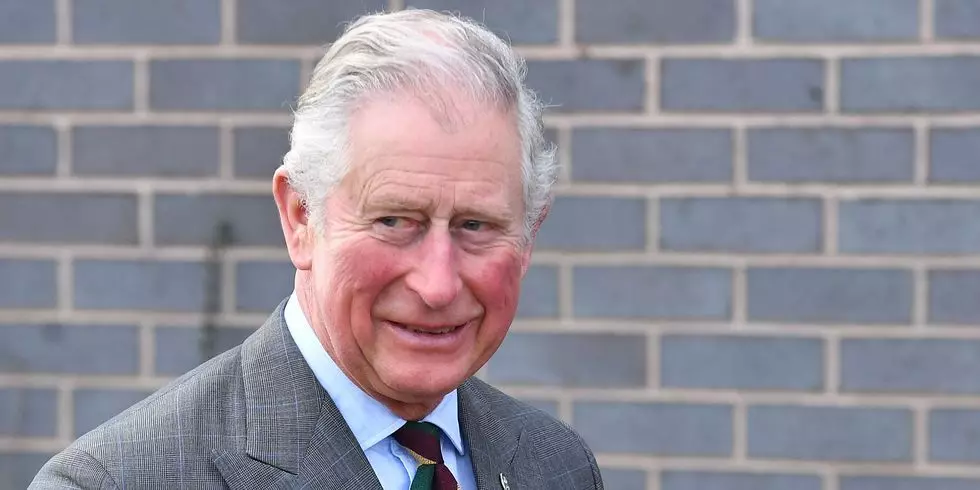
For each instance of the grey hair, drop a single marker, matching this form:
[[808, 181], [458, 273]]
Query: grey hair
[[421, 51]]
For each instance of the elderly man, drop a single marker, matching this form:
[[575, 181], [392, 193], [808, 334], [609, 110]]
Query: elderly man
[[409, 201]]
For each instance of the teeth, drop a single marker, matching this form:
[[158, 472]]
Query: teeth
[[434, 332]]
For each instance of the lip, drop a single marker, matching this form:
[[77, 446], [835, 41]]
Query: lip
[[428, 341]]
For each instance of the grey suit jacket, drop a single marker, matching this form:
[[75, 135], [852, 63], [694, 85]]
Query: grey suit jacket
[[255, 417]]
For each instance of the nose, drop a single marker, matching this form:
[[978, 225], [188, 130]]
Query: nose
[[435, 276]]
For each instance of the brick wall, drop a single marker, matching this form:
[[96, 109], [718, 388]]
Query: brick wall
[[763, 269]]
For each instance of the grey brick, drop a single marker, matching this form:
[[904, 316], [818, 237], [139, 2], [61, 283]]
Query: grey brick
[[562, 230], [517, 21], [298, 21], [957, 19], [42, 85], [631, 155], [197, 219], [180, 349], [92, 407], [146, 21], [69, 217], [28, 150], [910, 84], [71, 349], [26, 283], [836, 155], [28, 412], [741, 224], [27, 22], [17, 470], [539, 293], [145, 285], [621, 479], [953, 297], [727, 480], [953, 155], [830, 433], [555, 359], [933, 226], [816, 295], [261, 286], [259, 151], [690, 293], [658, 429], [746, 85], [245, 85], [954, 435], [589, 85], [944, 366], [875, 482], [741, 362], [548, 406], [655, 21], [158, 151], [836, 20]]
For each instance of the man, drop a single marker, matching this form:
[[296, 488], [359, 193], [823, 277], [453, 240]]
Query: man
[[416, 181]]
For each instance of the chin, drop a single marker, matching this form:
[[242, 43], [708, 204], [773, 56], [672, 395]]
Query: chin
[[424, 382]]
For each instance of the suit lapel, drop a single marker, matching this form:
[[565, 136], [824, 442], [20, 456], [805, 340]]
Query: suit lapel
[[293, 431], [493, 433]]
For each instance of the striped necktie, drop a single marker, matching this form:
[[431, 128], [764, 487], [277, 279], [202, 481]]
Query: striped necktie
[[421, 439]]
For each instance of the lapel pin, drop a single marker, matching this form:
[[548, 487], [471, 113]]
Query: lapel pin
[[503, 482]]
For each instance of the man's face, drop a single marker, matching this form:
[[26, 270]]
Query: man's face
[[415, 280]]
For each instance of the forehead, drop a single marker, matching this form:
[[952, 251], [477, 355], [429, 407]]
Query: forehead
[[398, 142]]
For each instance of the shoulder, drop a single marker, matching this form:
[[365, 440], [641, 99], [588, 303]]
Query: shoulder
[[193, 415], [550, 440]]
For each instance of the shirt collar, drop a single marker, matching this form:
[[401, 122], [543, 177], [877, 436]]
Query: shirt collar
[[369, 420]]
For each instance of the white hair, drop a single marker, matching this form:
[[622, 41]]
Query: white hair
[[427, 53]]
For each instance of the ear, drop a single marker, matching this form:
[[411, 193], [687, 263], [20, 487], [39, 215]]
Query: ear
[[529, 246], [296, 230]]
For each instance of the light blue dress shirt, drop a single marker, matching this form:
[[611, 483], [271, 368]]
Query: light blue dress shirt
[[371, 422]]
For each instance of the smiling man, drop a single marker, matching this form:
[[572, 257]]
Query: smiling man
[[416, 182]]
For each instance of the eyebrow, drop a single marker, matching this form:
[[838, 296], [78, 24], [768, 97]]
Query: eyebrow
[[388, 202]]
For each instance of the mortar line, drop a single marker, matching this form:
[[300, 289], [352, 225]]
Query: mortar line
[[740, 442], [927, 21], [229, 21], [65, 422], [653, 357], [920, 302], [651, 74], [832, 92], [920, 438], [63, 15], [564, 135], [141, 85], [566, 310], [229, 286], [66, 277], [226, 151], [830, 228], [740, 157], [922, 152], [566, 24], [145, 217], [832, 366], [63, 134], [743, 29], [394, 5], [146, 349], [740, 297], [653, 225]]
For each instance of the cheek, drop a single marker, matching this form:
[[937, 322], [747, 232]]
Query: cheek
[[497, 284]]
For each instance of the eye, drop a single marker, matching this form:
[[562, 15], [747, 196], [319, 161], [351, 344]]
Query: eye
[[390, 221], [473, 225]]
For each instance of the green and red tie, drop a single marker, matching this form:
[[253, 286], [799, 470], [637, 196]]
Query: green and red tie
[[421, 439]]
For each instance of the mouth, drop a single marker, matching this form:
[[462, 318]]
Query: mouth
[[433, 331]]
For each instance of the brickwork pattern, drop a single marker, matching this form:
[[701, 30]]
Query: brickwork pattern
[[762, 270]]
